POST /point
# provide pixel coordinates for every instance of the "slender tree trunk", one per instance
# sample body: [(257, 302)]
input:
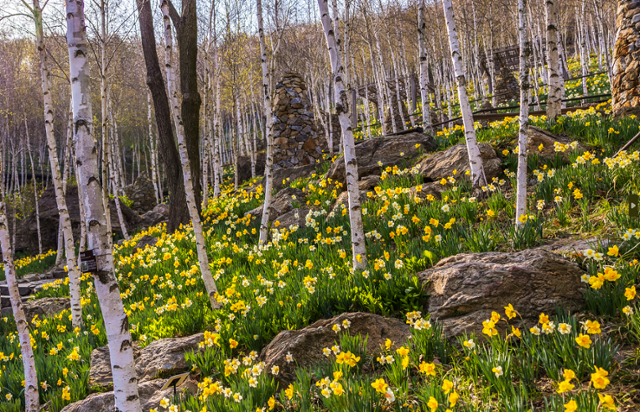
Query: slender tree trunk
[(525, 52), (424, 69), (475, 160), (351, 162), (65, 221), (125, 382), (32, 401), (554, 101), (266, 95), (152, 150), (201, 246), (166, 148)]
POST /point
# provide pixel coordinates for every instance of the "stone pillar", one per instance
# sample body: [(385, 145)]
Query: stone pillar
[(294, 128), (626, 59)]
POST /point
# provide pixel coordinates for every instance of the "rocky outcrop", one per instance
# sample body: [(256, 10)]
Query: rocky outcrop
[(538, 138), (45, 307), (464, 289), (442, 164), (161, 359), (150, 394), (283, 202), (305, 345), (244, 166), (626, 60), (295, 217), (159, 214), (380, 152), (145, 241), (295, 133), (343, 201), (142, 194), (27, 235)]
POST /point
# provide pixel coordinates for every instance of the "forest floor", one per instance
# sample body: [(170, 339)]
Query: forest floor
[(583, 361)]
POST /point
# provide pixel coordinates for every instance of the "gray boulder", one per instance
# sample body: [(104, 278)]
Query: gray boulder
[(158, 214), (305, 345), (464, 289), (150, 394), (283, 202), (45, 307), (161, 359), (442, 164), (374, 154)]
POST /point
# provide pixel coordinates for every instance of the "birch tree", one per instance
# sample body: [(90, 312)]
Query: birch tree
[(63, 212), (349, 149), (125, 382), (174, 100), (525, 53), (554, 101), (475, 160), (424, 69), (32, 402), (266, 95)]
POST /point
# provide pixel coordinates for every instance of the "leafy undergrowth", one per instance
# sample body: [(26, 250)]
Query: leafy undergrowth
[(586, 361)]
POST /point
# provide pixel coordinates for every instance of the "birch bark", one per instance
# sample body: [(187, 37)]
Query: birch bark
[(266, 96), (525, 52), (424, 69), (125, 381), (475, 160), (65, 221), (351, 162), (32, 401), (554, 101), (201, 246)]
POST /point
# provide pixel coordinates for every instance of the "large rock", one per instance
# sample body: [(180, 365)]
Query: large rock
[(442, 164), (159, 214), (538, 137), (380, 152), (305, 345), (150, 394), (27, 235), (284, 201), (142, 193), (244, 166), (464, 289), (295, 217), (291, 174), (161, 359), (45, 307), (145, 241), (343, 201)]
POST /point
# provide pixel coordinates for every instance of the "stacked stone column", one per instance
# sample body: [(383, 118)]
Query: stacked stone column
[(626, 59), (295, 131)]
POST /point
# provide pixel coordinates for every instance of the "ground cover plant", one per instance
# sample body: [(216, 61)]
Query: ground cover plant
[(569, 361)]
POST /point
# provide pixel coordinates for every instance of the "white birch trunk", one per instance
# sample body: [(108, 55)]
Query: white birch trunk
[(351, 162), (125, 381), (65, 221), (475, 160), (554, 101), (201, 245), (32, 401), (266, 95), (152, 149), (424, 69), (525, 52)]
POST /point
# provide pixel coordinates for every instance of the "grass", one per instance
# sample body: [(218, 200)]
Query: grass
[(305, 274)]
